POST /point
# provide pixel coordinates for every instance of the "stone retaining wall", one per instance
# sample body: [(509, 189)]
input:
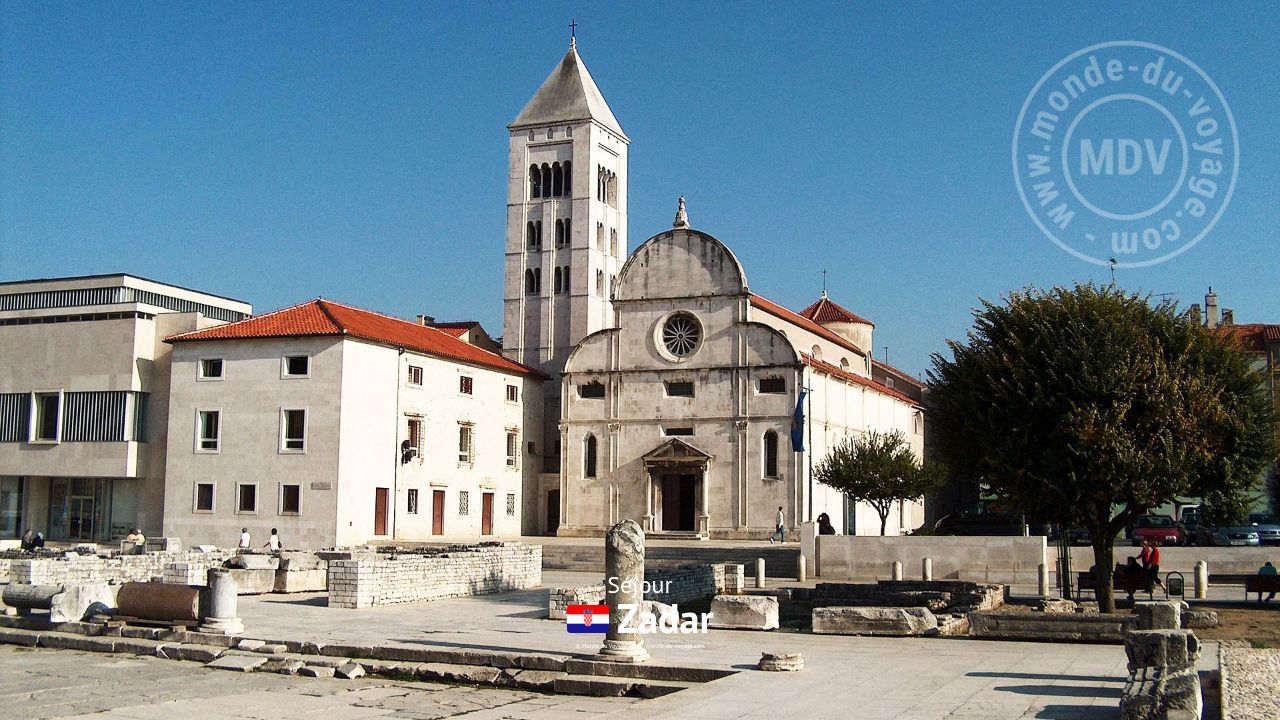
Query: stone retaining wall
[(689, 583), (388, 579), (84, 569), (1005, 560)]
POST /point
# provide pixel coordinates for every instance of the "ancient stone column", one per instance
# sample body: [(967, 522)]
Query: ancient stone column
[(624, 573), (759, 572), (897, 569), (801, 575), (1042, 580), (222, 604), (926, 569)]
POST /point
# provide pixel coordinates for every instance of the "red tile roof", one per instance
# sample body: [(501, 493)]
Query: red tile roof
[(901, 374), (1253, 336), (829, 369), (825, 311), (778, 311), (456, 329), (326, 317)]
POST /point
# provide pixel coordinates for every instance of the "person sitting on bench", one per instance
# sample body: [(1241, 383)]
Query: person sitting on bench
[(1130, 569), (1267, 570)]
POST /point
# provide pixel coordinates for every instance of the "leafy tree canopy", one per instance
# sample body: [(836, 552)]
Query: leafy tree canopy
[(1074, 401), (878, 469)]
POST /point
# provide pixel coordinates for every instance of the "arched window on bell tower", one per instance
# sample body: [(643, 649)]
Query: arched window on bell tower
[(535, 182), (589, 457), (556, 286), (557, 180)]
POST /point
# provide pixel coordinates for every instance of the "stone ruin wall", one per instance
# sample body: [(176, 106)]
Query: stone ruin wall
[(371, 579), (84, 569)]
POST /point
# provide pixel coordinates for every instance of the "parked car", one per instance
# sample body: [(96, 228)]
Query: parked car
[(1190, 522), (1207, 534), (1267, 526), (984, 520), (1159, 529), (1078, 535)]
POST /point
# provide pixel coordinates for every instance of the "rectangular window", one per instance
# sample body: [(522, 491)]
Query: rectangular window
[(290, 499), (464, 502), (679, 388), (465, 384), (888, 382), (415, 375), (513, 448), (208, 430), (210, 369), (293, 431), (246, 498), (296, 366), (412, 506), (465, 444), (533, 448), (46, 411), (593, 390), (513, 393), (412, 447), (204, 498), (511, 504), (773, 385), (677, 431)]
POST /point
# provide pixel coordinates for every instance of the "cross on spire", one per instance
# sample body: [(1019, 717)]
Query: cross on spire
[(573, 32), (824, 282)]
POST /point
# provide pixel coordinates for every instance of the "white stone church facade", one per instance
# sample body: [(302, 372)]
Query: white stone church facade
[(675, 387)]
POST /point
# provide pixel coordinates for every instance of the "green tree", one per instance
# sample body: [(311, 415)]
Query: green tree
[(1088, 406), (878, 469)]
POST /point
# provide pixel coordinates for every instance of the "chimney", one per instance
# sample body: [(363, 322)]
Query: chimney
[(1195, 314), (1228, 317), (425, 320), (1211, 309)]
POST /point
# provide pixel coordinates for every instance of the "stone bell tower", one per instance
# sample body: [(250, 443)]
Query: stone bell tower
[(566, 224)]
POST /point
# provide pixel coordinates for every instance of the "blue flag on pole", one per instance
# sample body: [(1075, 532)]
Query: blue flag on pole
[(797, 424)]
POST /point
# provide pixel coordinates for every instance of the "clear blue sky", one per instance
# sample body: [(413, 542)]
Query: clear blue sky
[(276, 152)]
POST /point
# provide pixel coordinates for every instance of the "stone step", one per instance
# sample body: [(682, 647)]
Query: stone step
[(603, 686)]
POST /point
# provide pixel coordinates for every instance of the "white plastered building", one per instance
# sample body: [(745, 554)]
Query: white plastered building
[(338, 426)]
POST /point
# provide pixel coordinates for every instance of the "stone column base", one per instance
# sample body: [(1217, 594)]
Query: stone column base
[(622, 651), (222, 626)]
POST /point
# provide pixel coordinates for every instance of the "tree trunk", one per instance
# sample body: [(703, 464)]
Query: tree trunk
[(884, 519), (1103, 561)]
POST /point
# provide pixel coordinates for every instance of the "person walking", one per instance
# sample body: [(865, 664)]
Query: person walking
[(780, 530), (246, 541), (1150, 559), (273, 542)]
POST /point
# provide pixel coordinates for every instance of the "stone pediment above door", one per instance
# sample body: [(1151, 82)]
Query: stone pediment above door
[(676, 452)]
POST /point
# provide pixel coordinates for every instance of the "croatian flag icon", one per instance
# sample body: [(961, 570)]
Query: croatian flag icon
[(587, 618)]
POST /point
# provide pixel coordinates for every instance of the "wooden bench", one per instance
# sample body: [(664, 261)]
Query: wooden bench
[(1261, 584), (1127, 583)]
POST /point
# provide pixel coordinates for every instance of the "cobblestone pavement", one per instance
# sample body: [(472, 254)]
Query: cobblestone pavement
[(1252, 687), (36, 684)]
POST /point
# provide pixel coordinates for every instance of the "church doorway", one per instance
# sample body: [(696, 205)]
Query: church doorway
[(553, 511), (679, 502)]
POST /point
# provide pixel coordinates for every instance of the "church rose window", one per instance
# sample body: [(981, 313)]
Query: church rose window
[(681, 335)]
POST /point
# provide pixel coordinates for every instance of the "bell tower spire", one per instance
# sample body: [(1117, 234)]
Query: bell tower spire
[(566, 222)]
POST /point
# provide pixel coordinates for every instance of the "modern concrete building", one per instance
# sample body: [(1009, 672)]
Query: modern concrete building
[(682, 414), (84, 399), (338, 425)]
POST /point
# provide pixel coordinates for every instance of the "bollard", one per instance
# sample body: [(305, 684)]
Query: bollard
[(926, 569), (1202, 580), (897, 570), (759, 572), (1042, 578), (223, 602), (800, 569)]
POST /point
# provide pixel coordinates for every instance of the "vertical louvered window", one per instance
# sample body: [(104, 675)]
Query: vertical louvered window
[(95, 416), (15, 413)]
